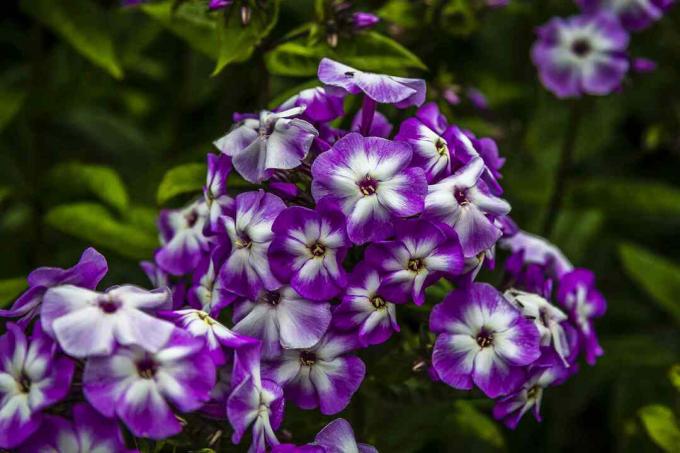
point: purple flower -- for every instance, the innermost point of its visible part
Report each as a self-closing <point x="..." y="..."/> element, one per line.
<point x="215" y="192"/>
<point x="577" y="293"/>
<point x="254" y="401"/>
<point x="325" y="375"/>
<point x="363" y="21"/>
<point x="644" y="65"/>
<point x="319" y="104"/>
<point x="581" y="55"/>
<point x="421" y="254"/>
<point x="511" y="408"/>
<point x="184" y="243"/>
<point x="308" y="249"/>
<point x="88" y="432"/>
<point x="87" y="273"/>
<point x="32" y="377"/>
<point x="274" y="141"/>
<point x="137" y="385"/>
<point x="219" y="4"/>
<point x="464" y="202"/>
<point x="206" y="293"/>
<point x="159" y="279"/>
<point x="87" y="323"/>
<point x="338" y="437"/>
<point x="533" y="254"/>
<point x="633" y="14"/>
<point x="282" y="319"/>
<point x="383" y="89"/>
<point x="483" y="340"/>
<point x="246" y="270"/>
<point x="365" y="309"/>
<point x="425" y="133"/>
<point x="216" y="336"/>
<point x="548" y="319"/>
<point x="369" y="180"/>
<point x="380" y="126"/>
<point x="477" y="98"/>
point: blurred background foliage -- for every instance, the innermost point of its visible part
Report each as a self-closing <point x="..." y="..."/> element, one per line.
<point x="106" y="114"/>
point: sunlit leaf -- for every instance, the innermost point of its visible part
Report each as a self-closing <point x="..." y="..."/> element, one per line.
<point x="10" y="288"/>
<point x="83" y="24"/>
<point x="657" y="276"/>
<point x="662" y="427"/>
<point x="95" y="225"/>
<point x="179" y="180"/>
<point x="674" y="376"/>
<point x="98" y="180"/>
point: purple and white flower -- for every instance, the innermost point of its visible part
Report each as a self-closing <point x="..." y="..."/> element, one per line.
<point x="511" y="408"/>
<point x="32" y="377"/>
<point x="137" y="386"/>
<point x="247" y="270"/>
<point x="87" y="273"/>
<point x="380" y="126"/>
<point x="325" y="375"/>
<point x="581" y="55"/>
<point x="633" y="14"/>
<point x="206" y="293"/>
<point x="184" y="243"/>
<point x="274" y="141"/>
<point x="483" y="340"/>
<point x="319" y="104"/>
<point x="464" y="202"/>
<point x="308" y="249"/>
<point x="216" y="336"/>
<point x="370" y="181"/>
<point x="365" y="309"/>
<point x="159" y="279"/>
<point x="87" y="323"/>
<point x="338" y="437"/>
<point x="282" y="319"/>
<point x="215" y="192"/>
<point x="422" y="253"/>
<point x="577" y="293"/>
<point x="88" y="432"/>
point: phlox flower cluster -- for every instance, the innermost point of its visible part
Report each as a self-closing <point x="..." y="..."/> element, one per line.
<point x="588" y="53"/>
<point x="266" y="297"/>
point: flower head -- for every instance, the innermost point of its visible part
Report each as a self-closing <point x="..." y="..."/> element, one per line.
<point x="87" y="323"/>
<point x="422" y="253"/>
<point x="581" y="55"/>
<point x="246" y="270"/>
<point x="87" y="273"/>
<point x="633" y="14"/>
<point x="206" y="293"/>
<point x="338" y="437"/>
<point x="319" y="103"/>
<point x="215" y="192"/>
<point x="325" y="375"/>
<point x="32" y="377"/>
<point x="137" y="385"/>
<point x="274" y="141"/>
<point x="483" y="340"/>
<point x="383" y="89"/>
<point x="369" y="180"/>
<point x="308" y="249"/>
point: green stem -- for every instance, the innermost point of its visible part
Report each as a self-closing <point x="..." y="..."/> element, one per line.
<point x="564" y="167"/>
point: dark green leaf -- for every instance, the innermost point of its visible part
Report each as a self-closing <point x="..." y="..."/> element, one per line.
<point x="94" y="224"/>
<point x="83" y="24"/>
<point x="98" y="180"/>
<point x="575" y="229"/>
<point x="11" y="101"/>
<point x="655" y="275"/>
<point x="477" y="424"/>
<point x="179" y="180"/>
<point x="236" y="42"/>
<point x="10" y="288"/>
<point x="662" y="427"/>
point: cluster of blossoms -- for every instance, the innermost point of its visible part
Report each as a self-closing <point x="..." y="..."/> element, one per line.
<point x="267" y="297"/>
<point x="587" y="54"/>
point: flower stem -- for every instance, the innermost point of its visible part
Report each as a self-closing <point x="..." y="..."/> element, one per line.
<point x="564" y="167"/>
<point x="367" y="112"/>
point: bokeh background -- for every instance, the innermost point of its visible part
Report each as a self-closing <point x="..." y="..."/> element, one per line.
<point x="98" y="102"/>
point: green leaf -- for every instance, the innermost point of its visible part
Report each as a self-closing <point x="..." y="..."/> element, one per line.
<point x="575" y="230"/>
<point x="236" y="42"/>
<point x="10" y="288"/>
<point x="94" y="224"/>
<point x="179" y="180"/>
<point x="100" y="181"/>
<point x="143" y="217"/>
<point x="11" y="101"/>
<point x="657" y="276"/>
<point x="368" y="51"/>
<point x="472" y="421"/>
<point x="191" y="21"/>
<point x="83" y="24"/>
<point x="662" y="427"/>
<point x="674" y="376"/>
